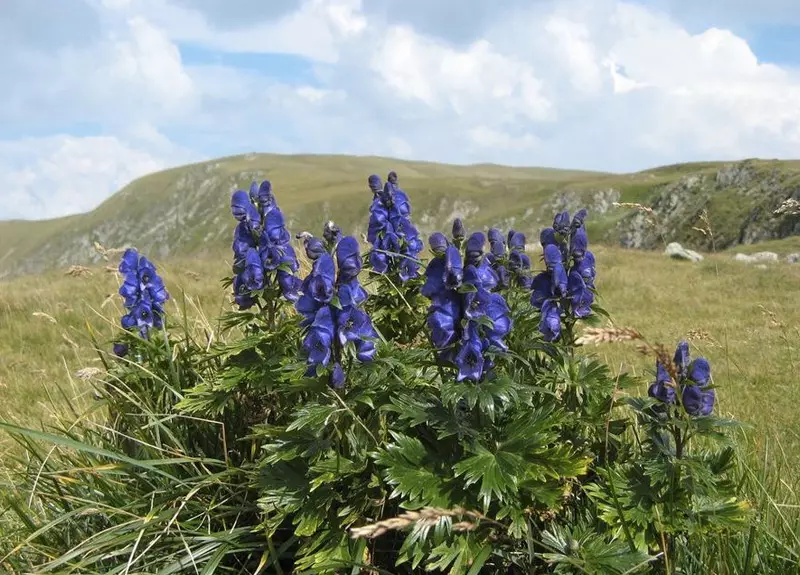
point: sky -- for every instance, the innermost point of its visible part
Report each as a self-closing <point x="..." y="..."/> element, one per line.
<point x="95" y="93"/>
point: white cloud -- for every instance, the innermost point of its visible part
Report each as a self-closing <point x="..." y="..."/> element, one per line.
<point x="602" y="84"/>
<point x="577" y="52"/>
<point x="416" y="67"/>
<point x="485" y="137"/>
<point x="314" y="30"/>
<point x="62" y="175"/>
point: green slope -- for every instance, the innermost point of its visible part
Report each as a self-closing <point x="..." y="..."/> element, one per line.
<point x="184" y="211"/>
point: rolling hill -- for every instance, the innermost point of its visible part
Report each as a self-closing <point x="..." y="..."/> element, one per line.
<point x="185" y="211"/>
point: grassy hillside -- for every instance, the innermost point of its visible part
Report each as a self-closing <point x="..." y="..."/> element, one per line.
<point x="184" y="211"/>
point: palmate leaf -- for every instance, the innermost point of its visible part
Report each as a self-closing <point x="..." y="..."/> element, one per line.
<point x="313" y="416"/>
<point x="462" y="555"/>
<point x="410" y="469"/>
<point x="584" y="551"/>
<point x="498" y="472"/>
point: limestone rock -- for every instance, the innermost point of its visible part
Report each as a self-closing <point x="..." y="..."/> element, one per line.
<point x="678" y="252"/>
<point x="793" y="258"/>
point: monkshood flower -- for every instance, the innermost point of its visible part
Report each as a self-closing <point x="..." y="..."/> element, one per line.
<point x="697" y="398"/>
<point x="144" y="296"/>
<point x="465" y="318"/>
<point x="395" y="241"/>
<point x="566" y="287"/>
<point x="263" y="255"/>
<point x="330" y="303"/>
<point x="508" y="259"/>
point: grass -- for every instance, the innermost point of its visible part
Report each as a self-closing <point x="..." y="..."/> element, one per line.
<point x="744" y="319"/>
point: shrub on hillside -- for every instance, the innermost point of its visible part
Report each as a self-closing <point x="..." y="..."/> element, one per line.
<point x="381" y="413"/>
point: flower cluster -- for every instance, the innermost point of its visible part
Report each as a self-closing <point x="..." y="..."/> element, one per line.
<point x="331" y="306"/>
<point x="395" y="241"/>
<point x="262" y="249"/>
<point x="509" y="260"/>
<point x="465" y="318"/>
<point x="567" y="285"/>
<point x="693" y="377"/>
<point x="144" y="294"/>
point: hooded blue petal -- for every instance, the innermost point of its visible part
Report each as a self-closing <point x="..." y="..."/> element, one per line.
<point x="661" y="388"/>
<point x="348" y="255"/>
<point x="469" y="360"/>
<point x="550" y="323"/>
<point x="459" y="232"/>
<point x="243" y="209"/>
<point x="700" y="371"/>
<point x="681" y="358"/>
<point x="698" y="401"/>
<point x="542" y="287"/>
<point x="547" y="237"/>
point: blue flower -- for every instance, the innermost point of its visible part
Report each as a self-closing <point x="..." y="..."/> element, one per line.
<point x="330" y="306"/>
<point x="395" y="241"/>
<point x="508" y="262"/>
<point x="348" y="254"/>
<point x="143" y="292"/>
<point x="459" y="232"/>
<point x="566" y="288"/>
<point x="261" y="230"/>
<point x="561" y="224"/>
<point x="550" y="322"/>
<point x="662" y="388"/>
<point x="469" y="359"/>
<point x="474" y="250"/>
<point x="443" y="320"/>
<point x="243" y="209"/>
<point x="465" y="318"/>
<point x="331" y="233"/>
<point x="697" y="400"/>
<point x="314" y="247"/>
<point x="497" y="311"/>
<point x="337" y="376"/>
<point x="694" y="377"/>
<point x="354" y="325"/>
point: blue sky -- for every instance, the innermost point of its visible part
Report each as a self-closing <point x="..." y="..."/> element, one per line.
<point x="94" y="93"/>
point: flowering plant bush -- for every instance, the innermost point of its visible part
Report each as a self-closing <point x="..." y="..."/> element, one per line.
<point x="363" y="415"/>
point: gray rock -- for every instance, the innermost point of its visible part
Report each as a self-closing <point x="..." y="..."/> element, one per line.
<point x="768" y="257"/>
<point x="765" y="257"/>
<point x="793" y="258"/>
<point x="678" y="252"/>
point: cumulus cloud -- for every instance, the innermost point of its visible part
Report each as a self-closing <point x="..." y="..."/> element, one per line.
<point x="62" y="175"/>
<point x="600" y="84"/>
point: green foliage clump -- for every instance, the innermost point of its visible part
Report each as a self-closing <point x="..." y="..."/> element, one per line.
<point x="245" y="456"/>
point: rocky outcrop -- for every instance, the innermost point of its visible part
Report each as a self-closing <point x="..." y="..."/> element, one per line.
<point x="738" y="204"/>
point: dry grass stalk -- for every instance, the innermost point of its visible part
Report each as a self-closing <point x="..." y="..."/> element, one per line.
<point x="78" y="271"/>
<point x="428" y="516"/>
<point x="634" y="206"/>
<point x="647" y="210"/>
<point x="772" y="318"/>
<point x="108" y="253"/>
<point x="702" y="335"/>
<point x="789" y="207"/>
<point x="87" y="373"/>
<point x="706" y="229"/>
<point x="598" y="335"/>
<point x="46" y="316"/>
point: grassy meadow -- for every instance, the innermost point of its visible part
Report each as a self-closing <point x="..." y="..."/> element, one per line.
<point x="745" y="319"/>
